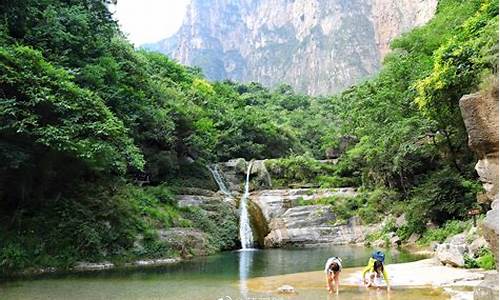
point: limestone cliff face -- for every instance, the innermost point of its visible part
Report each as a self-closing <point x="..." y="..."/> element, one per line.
<point x="317" y="46"/>
<point x="480" y="113"/>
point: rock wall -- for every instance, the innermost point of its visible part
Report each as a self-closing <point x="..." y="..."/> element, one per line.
<point x="317" y="46"/>
<point x="480" y="114"/>
<point x="291" y="223"/>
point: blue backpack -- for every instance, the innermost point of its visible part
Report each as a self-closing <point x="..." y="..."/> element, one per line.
<point x="378" y="255"/>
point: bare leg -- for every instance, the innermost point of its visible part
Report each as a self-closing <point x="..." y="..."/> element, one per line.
<point x="337" y="282"/>
<point x="329" y="283"/>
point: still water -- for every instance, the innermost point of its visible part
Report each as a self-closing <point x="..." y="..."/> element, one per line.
<point x="221" y="276"/>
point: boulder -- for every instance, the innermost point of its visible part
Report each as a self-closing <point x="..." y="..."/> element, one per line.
<point x="451" y="254"/>
<point x="234" y="172"/>
<point x="458" y="239"/>
<point x="452" y="251"/>
<point x="414" y="237"/>
<point x="262" y="178"/>
<point x="395" y="241"/>
<point x="480" y="114"/>
<point x="476" y="245"/>
<point x="401" y="221"/>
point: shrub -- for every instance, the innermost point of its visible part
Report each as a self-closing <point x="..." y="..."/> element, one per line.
<point x="440" y="234"/>
<point x="486" y="259"/>
<point x="443" y="195"/>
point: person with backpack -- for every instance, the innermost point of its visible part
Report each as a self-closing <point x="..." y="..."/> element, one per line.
<point x="376" y="270"/>
<point x="333" y="267"/>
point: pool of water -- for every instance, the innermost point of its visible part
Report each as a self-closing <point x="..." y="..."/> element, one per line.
<point x="221" y="276"/>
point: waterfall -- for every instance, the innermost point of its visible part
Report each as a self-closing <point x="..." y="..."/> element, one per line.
<point x="216" y="174"/>
<point x="246" y="235"/>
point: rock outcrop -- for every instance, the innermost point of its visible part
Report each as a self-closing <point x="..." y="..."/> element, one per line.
<point x="480" y="114"/>
<point x="293" y="222"/>
<point x="317" y="46"/>
<point x="274" y="203"/>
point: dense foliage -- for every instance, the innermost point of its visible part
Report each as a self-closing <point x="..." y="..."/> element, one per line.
<point x="411" y="134"/>
<point x="85" y="119"/>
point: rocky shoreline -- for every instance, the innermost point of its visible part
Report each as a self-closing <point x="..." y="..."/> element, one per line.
<point x="82" y="267"/>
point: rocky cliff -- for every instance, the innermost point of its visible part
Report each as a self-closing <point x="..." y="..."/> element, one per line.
<point x="480" y="114"/>
<point x="317" y="46"/>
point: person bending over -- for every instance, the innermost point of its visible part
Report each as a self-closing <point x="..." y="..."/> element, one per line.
<point x="376" y="271"/>
<point x="333" y="267"/>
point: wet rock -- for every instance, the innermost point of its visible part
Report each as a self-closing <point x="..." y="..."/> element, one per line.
<point x="286" y="289"/>
<point x="234" y="172"/>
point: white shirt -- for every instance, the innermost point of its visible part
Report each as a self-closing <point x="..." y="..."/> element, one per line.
<point x="332" y="260"/>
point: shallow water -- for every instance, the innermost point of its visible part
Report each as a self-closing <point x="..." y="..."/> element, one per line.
<point x="215" y="277"/>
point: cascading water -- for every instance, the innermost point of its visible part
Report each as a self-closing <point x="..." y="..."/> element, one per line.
<point x="246" y="235"/>
<point x="214" y="169"/>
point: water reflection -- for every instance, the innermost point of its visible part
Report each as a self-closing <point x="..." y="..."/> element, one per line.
<point x="245" y="264"/>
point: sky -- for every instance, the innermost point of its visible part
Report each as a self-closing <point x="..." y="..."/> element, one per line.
<point x="146" y="21"/>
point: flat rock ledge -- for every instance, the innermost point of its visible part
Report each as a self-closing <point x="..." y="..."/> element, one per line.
<point x="458" y="283"/>
<point x="153" y="262"/>
<point x="86" y="266"/>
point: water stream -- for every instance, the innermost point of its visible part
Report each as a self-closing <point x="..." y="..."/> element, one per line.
<point x="246" y="235"/>
<point x="219" y="179"/>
